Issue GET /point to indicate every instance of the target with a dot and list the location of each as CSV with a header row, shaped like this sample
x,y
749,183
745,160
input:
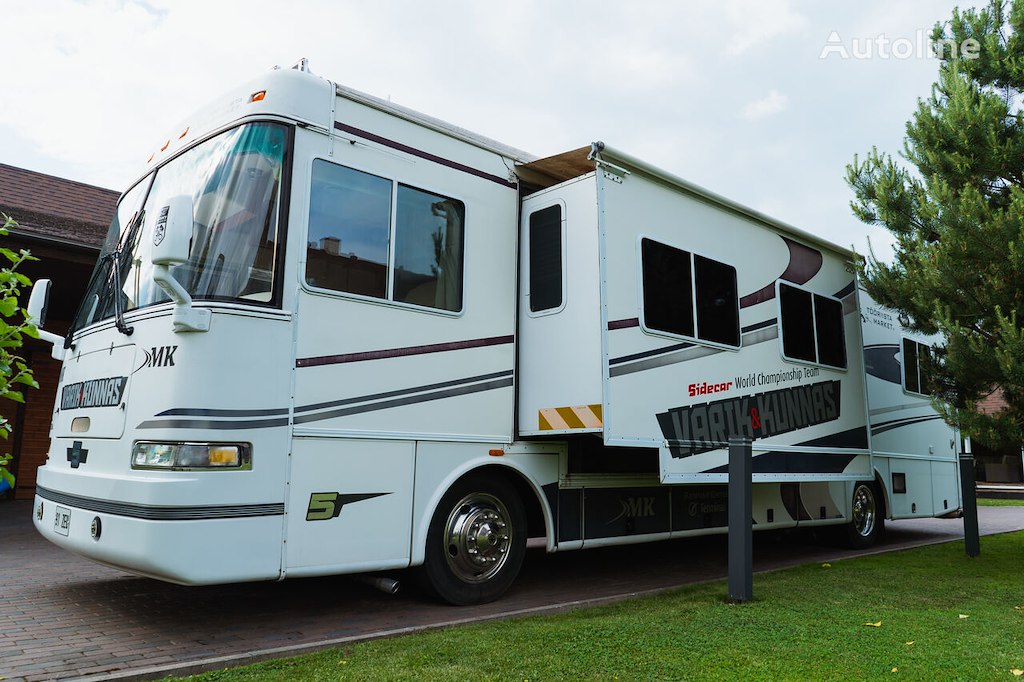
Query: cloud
x,y
755,23
92,87
99,84
769,105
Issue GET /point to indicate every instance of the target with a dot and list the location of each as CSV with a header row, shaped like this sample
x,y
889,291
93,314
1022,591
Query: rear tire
x,y
867,516
475,542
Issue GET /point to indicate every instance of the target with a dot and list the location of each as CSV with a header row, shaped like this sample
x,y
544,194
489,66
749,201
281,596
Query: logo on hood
x,y
93,393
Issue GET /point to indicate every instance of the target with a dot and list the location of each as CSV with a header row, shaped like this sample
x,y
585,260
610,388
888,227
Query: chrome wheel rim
x,y
477,537
864,510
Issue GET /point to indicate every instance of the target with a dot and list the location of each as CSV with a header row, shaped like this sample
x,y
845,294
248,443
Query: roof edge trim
x,y
434,124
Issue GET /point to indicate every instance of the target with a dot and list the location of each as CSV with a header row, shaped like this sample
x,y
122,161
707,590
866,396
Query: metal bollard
x,y
741,532
972,543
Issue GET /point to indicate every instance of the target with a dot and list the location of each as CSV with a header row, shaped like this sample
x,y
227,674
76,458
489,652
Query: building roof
x,y
52,208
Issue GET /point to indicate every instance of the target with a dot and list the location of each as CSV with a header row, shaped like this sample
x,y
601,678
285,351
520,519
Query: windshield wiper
x,y
115,291
116,258
78,321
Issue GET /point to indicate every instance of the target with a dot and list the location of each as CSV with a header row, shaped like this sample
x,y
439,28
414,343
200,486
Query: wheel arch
x,y
886,502
539,516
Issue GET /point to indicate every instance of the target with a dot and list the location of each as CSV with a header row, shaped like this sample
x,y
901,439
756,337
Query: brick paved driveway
x,y
64,617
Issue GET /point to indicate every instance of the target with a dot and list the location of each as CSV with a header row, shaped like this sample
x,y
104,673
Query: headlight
x,y
191,456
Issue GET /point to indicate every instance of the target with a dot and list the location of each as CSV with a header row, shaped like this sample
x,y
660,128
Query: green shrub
x,y
14,326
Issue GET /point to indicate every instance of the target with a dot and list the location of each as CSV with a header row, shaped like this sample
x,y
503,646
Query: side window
x,y
349,230
812,327
914,354
828,327
668,288
358,245
546,259
797,323
718,315
428,249
689,295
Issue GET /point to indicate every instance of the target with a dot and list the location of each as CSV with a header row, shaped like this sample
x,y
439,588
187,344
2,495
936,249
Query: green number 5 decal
x,y
323,507
327,506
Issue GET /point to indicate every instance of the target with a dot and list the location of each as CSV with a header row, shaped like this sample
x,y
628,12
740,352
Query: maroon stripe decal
x,y
423,155
804,263
402,352
624,324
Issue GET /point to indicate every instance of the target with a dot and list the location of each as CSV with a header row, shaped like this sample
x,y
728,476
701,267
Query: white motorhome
x,y
914,450
331,335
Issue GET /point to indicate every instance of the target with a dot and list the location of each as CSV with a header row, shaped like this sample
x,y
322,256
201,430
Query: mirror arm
x,y
186,318
35,315
172,241
58,352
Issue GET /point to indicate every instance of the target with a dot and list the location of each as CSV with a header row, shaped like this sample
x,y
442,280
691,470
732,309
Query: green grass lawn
x,y
936,615
990,502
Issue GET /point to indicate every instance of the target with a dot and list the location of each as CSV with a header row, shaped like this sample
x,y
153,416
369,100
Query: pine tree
x,y
958,219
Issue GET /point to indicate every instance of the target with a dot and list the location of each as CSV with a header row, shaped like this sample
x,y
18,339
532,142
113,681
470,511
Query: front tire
x,y
475,542
867,516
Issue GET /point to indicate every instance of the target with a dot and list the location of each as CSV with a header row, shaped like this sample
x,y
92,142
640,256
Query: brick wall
x,y
35,425
993,403
62,222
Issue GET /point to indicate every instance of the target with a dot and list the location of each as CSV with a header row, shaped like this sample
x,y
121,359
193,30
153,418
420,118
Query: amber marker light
x,y
258,96
495,453
166,145
184,132
224,455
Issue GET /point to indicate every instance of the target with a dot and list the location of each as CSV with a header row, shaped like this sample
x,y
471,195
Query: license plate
x,y
62,521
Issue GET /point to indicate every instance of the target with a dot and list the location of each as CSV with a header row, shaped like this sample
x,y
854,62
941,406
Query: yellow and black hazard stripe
x,y
568,418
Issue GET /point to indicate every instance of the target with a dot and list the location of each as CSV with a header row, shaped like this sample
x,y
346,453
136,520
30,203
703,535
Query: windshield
x,y
234,180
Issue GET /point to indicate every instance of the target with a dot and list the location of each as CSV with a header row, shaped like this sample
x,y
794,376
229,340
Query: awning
x,y
552,170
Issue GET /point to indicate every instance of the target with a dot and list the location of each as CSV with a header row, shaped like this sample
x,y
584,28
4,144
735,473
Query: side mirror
x,y
38,302
172,235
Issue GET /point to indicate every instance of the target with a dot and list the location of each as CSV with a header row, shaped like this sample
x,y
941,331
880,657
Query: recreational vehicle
x,y
331,335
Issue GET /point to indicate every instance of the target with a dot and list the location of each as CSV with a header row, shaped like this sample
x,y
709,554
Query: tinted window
x,y
911,367
924,357
797,323
812,327
828,324
546,258
356,245
349,230
667,285
428,249
718,317
670,278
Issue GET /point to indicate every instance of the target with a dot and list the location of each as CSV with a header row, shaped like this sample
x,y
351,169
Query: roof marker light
x,y
258,96
185,132
150,157
166,145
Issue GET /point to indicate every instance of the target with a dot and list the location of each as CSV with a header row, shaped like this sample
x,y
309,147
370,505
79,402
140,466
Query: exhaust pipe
x,y
380,582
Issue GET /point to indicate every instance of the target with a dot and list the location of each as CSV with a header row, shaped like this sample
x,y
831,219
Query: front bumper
x,y
188,545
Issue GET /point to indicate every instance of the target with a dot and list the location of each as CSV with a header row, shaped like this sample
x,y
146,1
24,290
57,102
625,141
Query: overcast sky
x,y
734,95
